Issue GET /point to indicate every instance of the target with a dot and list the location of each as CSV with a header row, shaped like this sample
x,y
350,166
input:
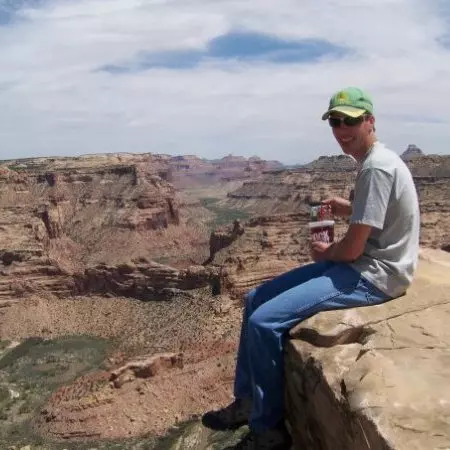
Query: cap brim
x,y
350,111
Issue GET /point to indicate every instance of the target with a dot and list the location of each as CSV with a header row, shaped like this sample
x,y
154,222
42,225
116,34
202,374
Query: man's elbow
x,y
353,252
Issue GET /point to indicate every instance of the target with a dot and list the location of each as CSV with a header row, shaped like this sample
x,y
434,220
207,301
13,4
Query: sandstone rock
x,y
145,281
293,190
434,195
57,212
188,171
335,163
222,305
145,368
375,377
221,239
435,166
289,191
265,246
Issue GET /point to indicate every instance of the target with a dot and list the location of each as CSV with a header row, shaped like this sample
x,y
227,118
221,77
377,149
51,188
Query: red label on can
x,y
323,234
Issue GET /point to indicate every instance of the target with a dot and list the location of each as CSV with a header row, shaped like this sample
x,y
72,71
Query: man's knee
x,y
258,320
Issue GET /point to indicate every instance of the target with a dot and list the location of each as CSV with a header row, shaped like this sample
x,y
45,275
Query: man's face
x,y
352,137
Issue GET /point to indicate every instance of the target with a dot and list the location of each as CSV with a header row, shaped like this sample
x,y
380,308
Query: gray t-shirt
x,y
385,198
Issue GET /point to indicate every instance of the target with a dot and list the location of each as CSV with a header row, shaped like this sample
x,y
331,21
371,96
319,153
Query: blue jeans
x,y
275,307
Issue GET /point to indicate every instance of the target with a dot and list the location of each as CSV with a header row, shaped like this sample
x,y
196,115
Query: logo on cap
x,y
342,97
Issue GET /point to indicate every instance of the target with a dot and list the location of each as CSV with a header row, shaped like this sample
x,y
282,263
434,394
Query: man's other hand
x,y
319,250
339,206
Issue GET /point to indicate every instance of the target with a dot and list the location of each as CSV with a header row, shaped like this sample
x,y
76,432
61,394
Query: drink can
x,y
322,230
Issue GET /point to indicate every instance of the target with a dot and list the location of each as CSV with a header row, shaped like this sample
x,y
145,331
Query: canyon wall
x,y
58,219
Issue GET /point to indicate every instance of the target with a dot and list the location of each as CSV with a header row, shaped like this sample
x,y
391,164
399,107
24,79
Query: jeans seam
x,y
368,294
336,293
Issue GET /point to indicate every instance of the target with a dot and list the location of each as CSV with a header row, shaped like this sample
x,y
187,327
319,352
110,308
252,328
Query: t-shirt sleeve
x,y
371,198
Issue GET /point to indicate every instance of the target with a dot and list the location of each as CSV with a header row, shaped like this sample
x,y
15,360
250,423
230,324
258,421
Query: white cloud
x,y
55,101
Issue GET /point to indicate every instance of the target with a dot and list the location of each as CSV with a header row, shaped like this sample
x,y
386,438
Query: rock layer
x,y
288,191
265,247
58,215
144,281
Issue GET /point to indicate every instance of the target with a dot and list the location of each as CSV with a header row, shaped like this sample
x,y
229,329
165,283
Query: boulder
x,y
146,367
375,377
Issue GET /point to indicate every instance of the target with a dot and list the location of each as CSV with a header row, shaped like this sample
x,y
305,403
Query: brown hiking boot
x,y
233,416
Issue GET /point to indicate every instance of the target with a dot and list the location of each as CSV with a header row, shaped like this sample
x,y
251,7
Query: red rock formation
x,y
146,367
145,281
191,171
53,213
289,191
223,238
265,247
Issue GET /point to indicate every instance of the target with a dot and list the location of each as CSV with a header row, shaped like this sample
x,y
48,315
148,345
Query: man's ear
x,y
371,120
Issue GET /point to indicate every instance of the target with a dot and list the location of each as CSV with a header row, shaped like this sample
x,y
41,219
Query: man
x,y
373,263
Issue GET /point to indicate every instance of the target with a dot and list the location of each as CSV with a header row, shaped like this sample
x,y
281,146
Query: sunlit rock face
x,y
377,376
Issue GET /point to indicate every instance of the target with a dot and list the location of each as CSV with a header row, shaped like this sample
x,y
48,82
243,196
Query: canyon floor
x,y
57,351
57,388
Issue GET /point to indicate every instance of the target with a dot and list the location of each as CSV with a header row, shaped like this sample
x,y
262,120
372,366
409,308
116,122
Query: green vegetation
x,y
14,168
223,216
30,372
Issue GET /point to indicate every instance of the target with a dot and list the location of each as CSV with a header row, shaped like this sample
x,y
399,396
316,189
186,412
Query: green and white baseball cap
x,y
351,101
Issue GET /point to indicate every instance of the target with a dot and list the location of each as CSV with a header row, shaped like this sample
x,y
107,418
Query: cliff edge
x,y
375,377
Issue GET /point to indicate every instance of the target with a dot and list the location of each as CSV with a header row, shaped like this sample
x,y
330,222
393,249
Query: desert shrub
x,y
25,408
4,394
223,216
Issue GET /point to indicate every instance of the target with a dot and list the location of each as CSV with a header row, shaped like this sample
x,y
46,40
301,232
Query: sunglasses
x,y
336,122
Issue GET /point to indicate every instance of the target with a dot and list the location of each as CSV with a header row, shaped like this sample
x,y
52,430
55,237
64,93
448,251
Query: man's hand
x,y
339,206
319,250
348,249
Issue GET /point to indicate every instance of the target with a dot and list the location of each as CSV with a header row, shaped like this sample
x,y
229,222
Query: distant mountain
x,y
335,163
412,152
189,171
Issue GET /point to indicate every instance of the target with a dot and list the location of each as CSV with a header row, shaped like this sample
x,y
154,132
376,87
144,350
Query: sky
x,y
212,78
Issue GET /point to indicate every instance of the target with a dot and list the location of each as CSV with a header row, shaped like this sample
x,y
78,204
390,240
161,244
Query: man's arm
x,y
339,206
371,199
352,245
372,193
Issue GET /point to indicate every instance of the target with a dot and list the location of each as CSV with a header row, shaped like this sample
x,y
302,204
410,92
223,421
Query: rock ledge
x,y
375,377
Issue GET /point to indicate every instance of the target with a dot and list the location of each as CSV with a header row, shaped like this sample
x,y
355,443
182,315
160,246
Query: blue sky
x,y
443,10
11,10
212,78
241,46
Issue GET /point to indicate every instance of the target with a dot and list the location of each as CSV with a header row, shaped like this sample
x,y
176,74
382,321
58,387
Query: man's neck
x,y
362,154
